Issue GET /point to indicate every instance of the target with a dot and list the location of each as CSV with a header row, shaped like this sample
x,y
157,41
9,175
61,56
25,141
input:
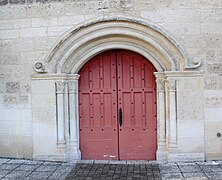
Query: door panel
x,y
98,108
136,97
110,81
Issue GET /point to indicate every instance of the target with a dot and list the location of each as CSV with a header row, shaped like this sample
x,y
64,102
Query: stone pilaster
x,y
161,116
74,152
60,91
172,112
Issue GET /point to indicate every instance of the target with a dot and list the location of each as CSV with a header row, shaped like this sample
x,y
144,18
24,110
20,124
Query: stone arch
x,y
59,77
90,38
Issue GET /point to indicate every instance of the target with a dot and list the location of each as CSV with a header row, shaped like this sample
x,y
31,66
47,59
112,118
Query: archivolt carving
x,y
91,38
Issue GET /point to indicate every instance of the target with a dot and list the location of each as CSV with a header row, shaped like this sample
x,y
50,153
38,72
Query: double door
x,y
117,107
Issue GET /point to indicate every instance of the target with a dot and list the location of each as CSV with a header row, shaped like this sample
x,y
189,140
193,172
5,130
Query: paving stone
x,y
195,176
26,167
18,174
60,176
166,169
189,168
62,169
51,163
214,175
8,166
43,168
38,176
33,162
210,168
3,160
171,176
4,173
16,161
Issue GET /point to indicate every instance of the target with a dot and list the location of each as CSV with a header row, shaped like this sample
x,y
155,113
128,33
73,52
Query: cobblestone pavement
x,y
20,169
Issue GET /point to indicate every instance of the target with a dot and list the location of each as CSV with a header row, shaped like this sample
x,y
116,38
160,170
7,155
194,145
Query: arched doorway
x,y
58,74
117,107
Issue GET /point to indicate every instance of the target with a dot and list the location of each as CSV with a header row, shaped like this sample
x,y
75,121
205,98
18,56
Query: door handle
x,y
120,117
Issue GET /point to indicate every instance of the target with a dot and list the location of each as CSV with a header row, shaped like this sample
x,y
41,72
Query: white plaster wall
x,y
28,32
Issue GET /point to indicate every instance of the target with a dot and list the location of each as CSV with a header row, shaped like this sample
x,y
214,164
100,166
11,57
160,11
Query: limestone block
x,y
219,55
153,15
18,23
210,4
12,87
27,115
16,146
44,43
191,144
23,45
47,129
43,100
10,115
213,82
178,16
3,2
45,10
36,130
44,114
45,145
10,99
191,128
42,87
214,68
213,143
10,58
70,20
33,55
207,15
184,4
215,28
76,8
18,128
44,22
213,101
213,114
55,31
5,126
218,14
9,34
211,55
33,32
25,87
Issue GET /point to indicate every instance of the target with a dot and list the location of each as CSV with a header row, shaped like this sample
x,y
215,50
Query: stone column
x,y
161,117
74,152
60,91
172,113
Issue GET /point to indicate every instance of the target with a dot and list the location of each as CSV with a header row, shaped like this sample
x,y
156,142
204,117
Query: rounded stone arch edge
x,y
64,50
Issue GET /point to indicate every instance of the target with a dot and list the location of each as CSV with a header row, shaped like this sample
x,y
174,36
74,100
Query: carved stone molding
x,y
60,87
72,87
160,84
172,84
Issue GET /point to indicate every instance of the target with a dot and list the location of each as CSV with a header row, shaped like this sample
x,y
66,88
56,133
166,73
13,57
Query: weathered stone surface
x,y
12,87
3,2
30,30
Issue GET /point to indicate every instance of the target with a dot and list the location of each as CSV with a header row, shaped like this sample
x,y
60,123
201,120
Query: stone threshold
x,y
116,162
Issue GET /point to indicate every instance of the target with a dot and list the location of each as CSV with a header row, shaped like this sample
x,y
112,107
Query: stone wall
x,y
29,30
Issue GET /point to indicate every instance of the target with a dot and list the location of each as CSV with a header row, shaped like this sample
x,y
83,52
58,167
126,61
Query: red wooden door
x,y
117,102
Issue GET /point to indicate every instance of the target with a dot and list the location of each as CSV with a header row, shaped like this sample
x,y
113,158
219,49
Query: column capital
x,y
72,87
171,84
160,84
60,87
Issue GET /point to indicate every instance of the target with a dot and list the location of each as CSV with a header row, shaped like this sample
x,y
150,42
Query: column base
x,y
175,157
161,155
73,155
